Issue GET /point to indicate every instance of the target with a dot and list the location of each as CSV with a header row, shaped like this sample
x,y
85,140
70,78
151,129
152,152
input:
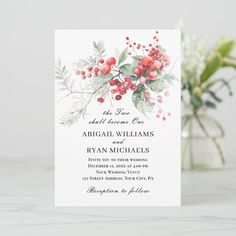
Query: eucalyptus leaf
x,y
140,101
126,69
137,57
157,85
134,78
123,56
169,78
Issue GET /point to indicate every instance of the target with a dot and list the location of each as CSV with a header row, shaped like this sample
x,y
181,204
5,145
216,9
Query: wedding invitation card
x,y
117,118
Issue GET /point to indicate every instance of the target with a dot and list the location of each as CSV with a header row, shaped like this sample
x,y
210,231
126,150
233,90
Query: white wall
x,y
27,57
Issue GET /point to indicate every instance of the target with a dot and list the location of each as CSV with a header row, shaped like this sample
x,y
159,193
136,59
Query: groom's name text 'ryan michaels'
x,y
118,150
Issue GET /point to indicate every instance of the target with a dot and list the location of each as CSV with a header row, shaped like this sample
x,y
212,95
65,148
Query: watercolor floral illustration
x,y
142,70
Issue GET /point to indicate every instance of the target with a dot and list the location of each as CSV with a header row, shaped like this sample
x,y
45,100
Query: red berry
x,y
127,38
156,65
149,44
89,75
147,61
96,69
140,67
105,69
100,100
152,77
82,72
123,92
118,97
137,71
133,87
101,60
116,81
153,73
90,68
127,86
142,80
84,77
127,79
114,90
110,61
119,84
112,82
77,72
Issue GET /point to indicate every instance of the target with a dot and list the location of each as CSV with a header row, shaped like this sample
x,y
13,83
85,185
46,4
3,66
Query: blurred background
x,y
27,58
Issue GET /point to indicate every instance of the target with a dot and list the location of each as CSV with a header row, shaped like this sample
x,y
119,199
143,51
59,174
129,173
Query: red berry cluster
x,y
103,68
148,67
154,60
163,115
133,46
120,87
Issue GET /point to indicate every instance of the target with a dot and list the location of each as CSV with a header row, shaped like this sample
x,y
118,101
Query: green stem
x,y
218,147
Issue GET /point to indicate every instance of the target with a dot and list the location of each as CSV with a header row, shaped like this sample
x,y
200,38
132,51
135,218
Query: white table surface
x,y
27,207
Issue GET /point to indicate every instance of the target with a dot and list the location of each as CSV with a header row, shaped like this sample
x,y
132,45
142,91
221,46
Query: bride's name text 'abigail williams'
x,y
128,134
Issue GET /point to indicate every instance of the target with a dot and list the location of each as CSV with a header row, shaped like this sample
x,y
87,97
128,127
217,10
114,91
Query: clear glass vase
x,y
202,142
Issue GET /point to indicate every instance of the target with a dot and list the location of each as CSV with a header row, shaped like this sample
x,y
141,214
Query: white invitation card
x,y
117,118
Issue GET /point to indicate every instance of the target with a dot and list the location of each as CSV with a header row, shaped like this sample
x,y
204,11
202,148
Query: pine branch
x,y
72,117
61,72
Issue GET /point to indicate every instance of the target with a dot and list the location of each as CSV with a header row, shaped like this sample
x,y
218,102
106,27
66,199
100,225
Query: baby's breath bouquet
x,y
201,91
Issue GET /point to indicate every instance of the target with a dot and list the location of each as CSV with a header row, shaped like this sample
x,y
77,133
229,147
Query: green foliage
x,y
210,104
157,85
226,47
137,57
214,96
140,101
229,62
212,65
99,49
126,69
61,72
123,56
200,86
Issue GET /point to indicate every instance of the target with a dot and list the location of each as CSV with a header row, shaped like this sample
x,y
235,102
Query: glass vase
x,y
202,142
